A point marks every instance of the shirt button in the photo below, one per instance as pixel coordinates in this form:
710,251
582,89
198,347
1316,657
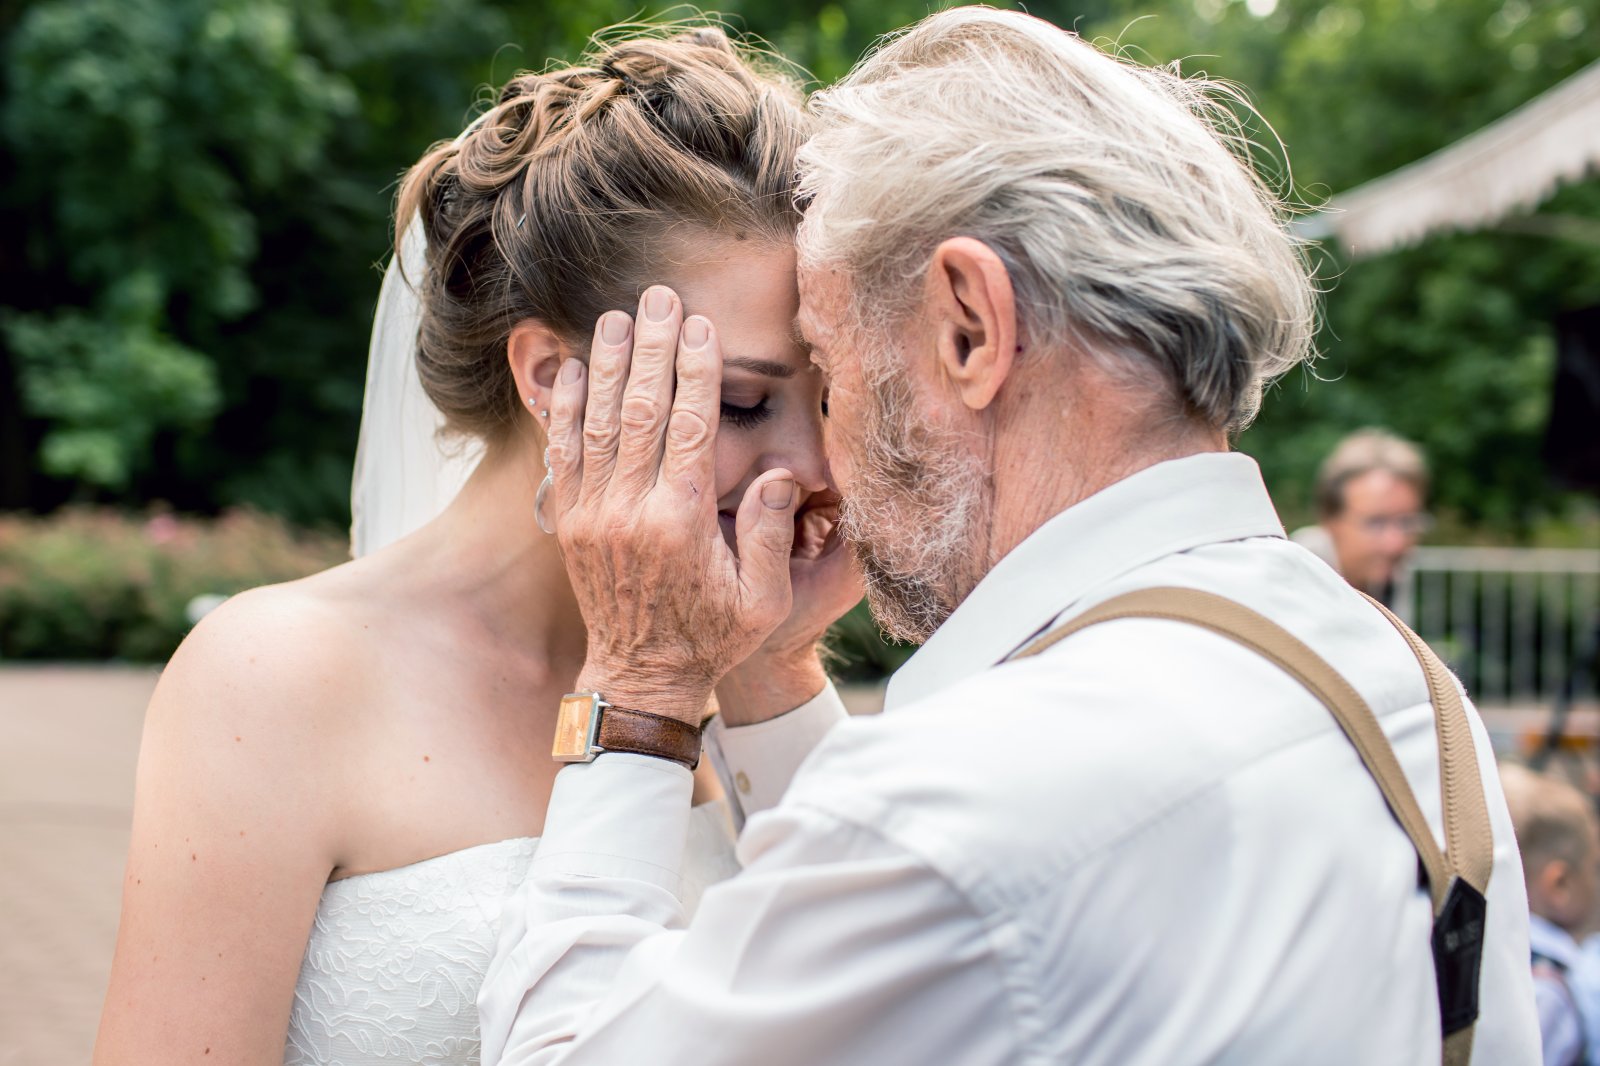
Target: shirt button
742,781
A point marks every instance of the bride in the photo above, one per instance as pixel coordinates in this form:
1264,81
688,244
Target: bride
341,777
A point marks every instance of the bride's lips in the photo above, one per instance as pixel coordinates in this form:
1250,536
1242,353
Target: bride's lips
816,526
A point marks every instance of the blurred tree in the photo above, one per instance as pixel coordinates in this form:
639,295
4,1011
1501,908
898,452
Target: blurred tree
205,193
204,187
1449,343
146,205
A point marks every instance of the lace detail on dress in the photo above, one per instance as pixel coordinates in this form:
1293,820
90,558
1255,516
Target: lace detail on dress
395,959
392,969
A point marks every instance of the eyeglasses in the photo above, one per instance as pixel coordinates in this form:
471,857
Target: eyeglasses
1412,525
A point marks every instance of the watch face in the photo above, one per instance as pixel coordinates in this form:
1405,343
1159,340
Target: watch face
575,728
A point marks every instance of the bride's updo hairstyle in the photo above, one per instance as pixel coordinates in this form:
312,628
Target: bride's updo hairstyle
557,203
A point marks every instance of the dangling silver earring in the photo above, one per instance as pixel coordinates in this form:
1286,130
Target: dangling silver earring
549,480
539,497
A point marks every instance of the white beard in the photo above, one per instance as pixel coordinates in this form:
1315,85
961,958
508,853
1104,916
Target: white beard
918,509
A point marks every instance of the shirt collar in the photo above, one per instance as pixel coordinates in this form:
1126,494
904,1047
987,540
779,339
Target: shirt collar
1169,507
1552,942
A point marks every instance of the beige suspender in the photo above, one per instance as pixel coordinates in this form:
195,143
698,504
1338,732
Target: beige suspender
1458,878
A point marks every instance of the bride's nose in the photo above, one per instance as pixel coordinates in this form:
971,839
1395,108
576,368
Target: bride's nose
801,454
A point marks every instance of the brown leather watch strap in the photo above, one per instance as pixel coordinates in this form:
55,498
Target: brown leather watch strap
643,733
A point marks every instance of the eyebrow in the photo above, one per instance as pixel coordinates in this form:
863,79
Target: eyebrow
764,367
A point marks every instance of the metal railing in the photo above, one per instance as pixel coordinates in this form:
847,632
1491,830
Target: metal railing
1518,625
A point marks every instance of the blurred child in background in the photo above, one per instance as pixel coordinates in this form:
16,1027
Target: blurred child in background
1559,834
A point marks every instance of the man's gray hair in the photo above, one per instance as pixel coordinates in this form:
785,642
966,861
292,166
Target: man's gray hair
1360,453
1131,229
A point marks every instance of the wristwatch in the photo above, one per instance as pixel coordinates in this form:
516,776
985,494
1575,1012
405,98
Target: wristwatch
588,725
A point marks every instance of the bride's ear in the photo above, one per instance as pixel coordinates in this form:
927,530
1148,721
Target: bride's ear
534,352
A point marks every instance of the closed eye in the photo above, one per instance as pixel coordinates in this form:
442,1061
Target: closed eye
746,417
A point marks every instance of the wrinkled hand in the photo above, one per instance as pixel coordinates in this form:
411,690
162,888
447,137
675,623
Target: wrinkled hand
786,671
668,607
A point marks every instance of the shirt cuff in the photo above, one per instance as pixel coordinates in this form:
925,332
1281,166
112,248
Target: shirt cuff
757,762
622,815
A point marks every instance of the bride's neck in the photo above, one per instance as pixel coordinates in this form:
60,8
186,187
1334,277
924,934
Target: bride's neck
490,557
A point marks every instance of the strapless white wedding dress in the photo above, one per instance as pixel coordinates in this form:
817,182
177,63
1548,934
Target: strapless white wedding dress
392,969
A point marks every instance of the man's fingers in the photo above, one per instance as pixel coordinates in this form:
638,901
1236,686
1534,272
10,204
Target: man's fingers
648,398
566,435
689,462
764,531
608,375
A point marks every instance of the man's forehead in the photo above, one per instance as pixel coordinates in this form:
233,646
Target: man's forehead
822,293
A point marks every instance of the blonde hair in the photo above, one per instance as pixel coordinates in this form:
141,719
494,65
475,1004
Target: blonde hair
554,205
1551,818
1131,229
1362,452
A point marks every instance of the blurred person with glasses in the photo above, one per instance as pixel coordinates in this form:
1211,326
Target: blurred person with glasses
1370,493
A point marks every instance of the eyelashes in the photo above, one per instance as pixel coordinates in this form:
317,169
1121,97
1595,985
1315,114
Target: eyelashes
746,417
750,417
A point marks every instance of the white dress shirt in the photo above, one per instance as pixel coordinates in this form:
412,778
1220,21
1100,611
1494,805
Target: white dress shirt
755,763
1145,846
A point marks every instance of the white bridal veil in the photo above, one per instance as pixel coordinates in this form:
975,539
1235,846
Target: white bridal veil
405,474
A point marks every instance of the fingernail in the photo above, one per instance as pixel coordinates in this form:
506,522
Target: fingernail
695,332
777,494
658,304
571,371
615,327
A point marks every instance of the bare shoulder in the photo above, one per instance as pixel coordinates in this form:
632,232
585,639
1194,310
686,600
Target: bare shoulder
239,808
254,713
280,645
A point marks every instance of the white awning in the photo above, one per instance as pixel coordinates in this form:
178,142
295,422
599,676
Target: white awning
1510,165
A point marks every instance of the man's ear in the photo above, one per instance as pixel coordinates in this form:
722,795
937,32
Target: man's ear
974,315
534,352
1552,880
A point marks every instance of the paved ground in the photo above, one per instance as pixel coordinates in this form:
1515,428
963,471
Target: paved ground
69,738
68,741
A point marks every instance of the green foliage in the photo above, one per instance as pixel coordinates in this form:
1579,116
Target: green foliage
151,129
107,382
856,650
203,188
94,584
1449,343
1442,344
154,124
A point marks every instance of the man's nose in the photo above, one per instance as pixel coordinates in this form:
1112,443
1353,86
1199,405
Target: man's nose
1397,541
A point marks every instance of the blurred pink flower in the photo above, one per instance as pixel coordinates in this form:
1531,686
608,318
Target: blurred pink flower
162,528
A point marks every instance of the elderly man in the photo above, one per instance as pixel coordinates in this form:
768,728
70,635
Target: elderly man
1044,292
1371,490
